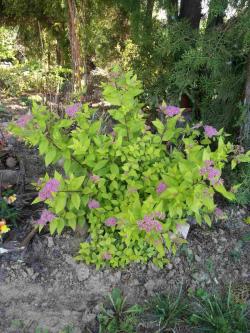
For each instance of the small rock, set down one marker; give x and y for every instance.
(150, 286)
(245, 274)
(170, 266)
(134, 283)
(82, 272)
(171, 273)
(200, 276)
(199, 248)
(88, 317)
(220, 249)
(115, 278)
(197, 258)
(11, 162)
(69, 260)
(154, 267)
(177, 261)
(50, 242)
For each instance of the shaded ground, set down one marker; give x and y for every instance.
(42, 285)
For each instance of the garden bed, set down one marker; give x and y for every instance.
(42, 286)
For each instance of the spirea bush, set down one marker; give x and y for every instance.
(134, 188)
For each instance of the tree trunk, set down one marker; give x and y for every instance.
(191, 11)
(245, 131)
(74, 45)
(149, 16)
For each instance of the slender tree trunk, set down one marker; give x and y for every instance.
(149, 16)
(40, 37)
(74, 45)
(245, 131)
(191, 11)
(59, 56)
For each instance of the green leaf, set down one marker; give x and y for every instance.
(60, 202)
(60, 225)
(75, 183)
(207, 220)
(50, 156)
(71, 217)
(221, 189)
(76, 200)
(53, 226)
(159, 125)
(233, 164)
(167, 241)
(100, 165)
(43, 146)
(114, 169)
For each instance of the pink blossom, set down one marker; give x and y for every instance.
(210, 131)
(23, 120)
(161, 187)
(111, 221)
(45, 217)
(73, 109)
(212, 173)
(203, 171)
(51, 186)
(93, 204)
(94, 178)
(172, 110)
(218, 212)
(149, 223)
(106, 256)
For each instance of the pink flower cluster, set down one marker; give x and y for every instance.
(93, 204)
(111, 222)
(94, 178)
(23, 120)
(170, 110)
(45, 217)
(51, 186)
(218, 212)
(210, 131)
(106, 256)
(150, 222)
(212, 174)
(161, 187)
(73, 109)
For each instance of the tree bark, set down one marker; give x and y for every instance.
(74, 45)
(149, 16)
(191, 11)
